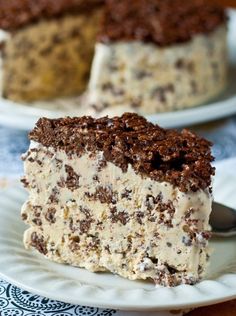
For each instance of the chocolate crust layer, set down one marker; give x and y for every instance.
(162, 22)
(15, 14)
(180, 158)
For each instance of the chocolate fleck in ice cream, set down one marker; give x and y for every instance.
(121, 195)
(158, 55)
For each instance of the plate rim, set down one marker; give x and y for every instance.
(125, 307)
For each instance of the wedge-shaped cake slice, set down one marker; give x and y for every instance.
(120, 195)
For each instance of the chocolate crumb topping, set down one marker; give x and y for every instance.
(180, 158)
(162, 22)
(18, 13)
(39, 243)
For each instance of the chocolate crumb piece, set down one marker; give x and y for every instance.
(107, 248)
(189, 213)
(107, 86)
(75, 239)
(180, 158)
(59, 163)
(30, 159)
(53, 198)
(136, 103)
(121, 217)
(94, 243)
(39, 162)
(139, 217)
(37, 221)
(50, 215)
(112, 89)
(95, 178)
(202, 238)
(74, 244)
(151, 201)
(39, 243)
(161, 92)
(25, 182)
(127, 194)
(189, 281)
(72, 180)
(154, 260)
(101, 164)
(153, 20)
(180, 64)
(85, 211)
(84, 225)
(99, 107)
(169, 244)
(104, 195)
(37, 209)
(200, 269)
(24, 216)
(142, 74)
(171, 269)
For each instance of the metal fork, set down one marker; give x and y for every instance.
(223, 220)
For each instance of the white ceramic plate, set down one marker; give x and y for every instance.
(32, 272)
(24, 116)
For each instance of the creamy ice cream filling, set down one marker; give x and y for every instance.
(87, 212)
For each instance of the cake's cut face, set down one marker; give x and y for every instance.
(158, 55)
(120, 195)
(48, 49)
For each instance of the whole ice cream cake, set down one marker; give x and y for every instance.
(119, 194)
(158, 56)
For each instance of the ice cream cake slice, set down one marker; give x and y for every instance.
(119, 194)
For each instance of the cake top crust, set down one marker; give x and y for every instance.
(180, 158)
(15, 14)
(163, 22)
